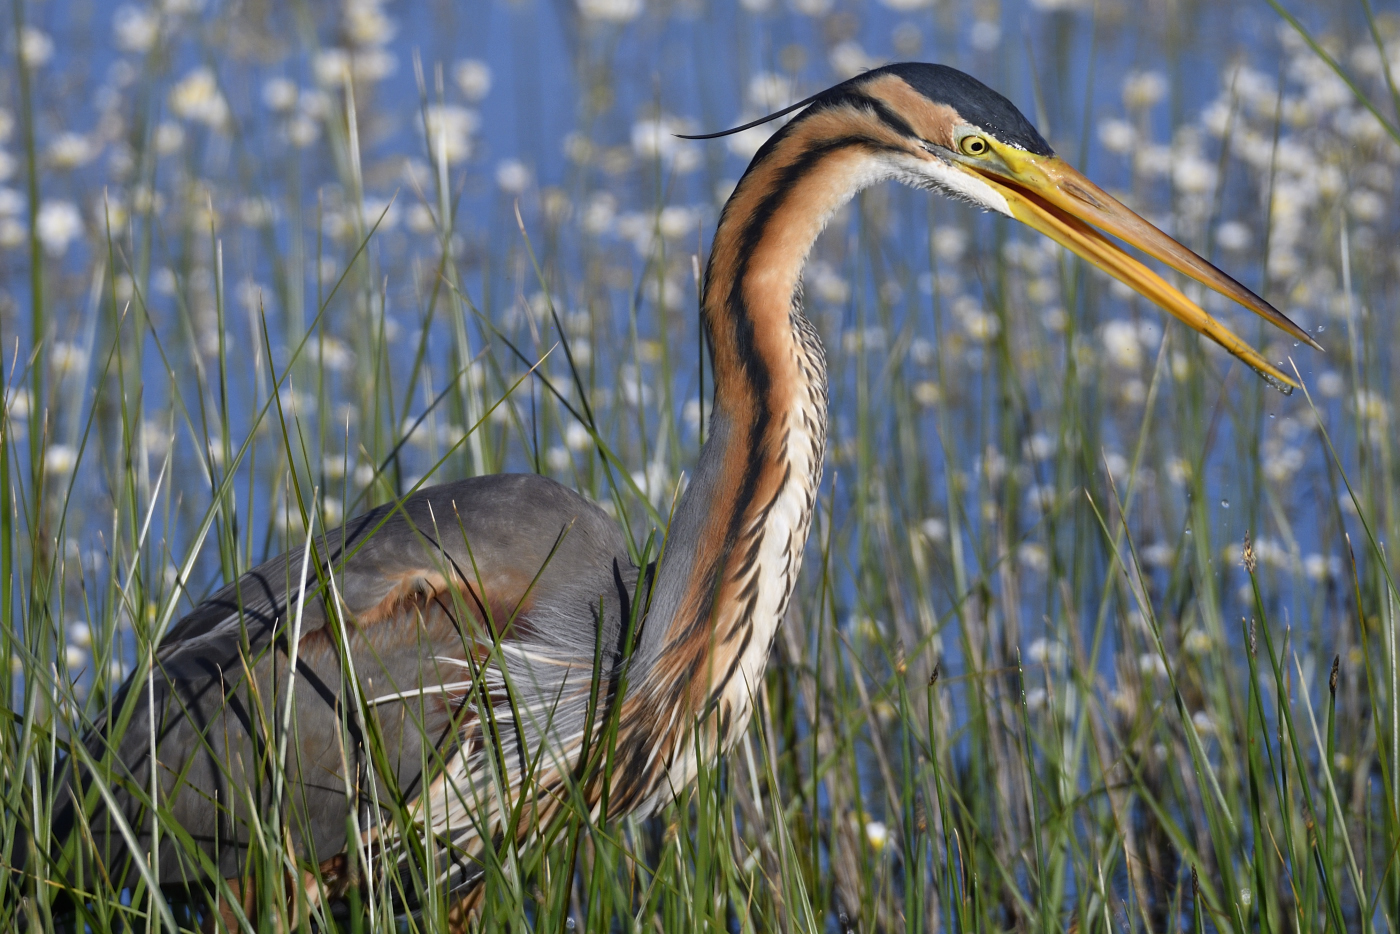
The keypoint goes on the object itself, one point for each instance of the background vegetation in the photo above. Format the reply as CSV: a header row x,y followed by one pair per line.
x,y
1095,629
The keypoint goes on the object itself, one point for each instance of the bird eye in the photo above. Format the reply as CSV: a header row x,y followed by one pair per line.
x,y
974,146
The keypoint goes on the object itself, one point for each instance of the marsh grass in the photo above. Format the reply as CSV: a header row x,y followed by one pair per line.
x,y
1070,650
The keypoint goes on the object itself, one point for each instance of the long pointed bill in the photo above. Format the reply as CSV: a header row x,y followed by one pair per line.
x,y
1045,193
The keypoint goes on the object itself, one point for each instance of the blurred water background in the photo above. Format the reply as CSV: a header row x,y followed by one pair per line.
x,y
442,194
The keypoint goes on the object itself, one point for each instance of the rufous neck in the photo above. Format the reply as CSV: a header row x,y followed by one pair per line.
x,y
770,383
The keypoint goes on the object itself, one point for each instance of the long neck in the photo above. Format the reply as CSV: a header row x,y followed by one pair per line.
x,y
736,540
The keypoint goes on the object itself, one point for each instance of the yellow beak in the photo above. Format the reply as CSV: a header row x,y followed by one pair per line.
x,y
1055,199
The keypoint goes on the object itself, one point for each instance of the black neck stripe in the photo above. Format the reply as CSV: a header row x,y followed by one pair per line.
x,y
751,365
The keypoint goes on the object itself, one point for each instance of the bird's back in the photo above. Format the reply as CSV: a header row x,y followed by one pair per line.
x,y
489,593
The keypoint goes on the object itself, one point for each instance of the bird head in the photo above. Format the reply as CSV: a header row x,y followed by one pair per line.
x,y
938,128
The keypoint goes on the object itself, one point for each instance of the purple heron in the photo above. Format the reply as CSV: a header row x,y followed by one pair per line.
x,y
459,654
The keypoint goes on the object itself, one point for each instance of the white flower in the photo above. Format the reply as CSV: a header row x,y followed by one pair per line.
x,y
169,137
367,24
1283,465
74,657
654,139
877,835
1121,340
1039,447
635,391
1045,652
59,224
979,325
599,213
279,94
1360,126
1150,663
558,458
449,128
156,437
329,67
1194,175
373,64
949,243
1205,726
654,482
332,354
611,11
197,97
79,634
35,47
135,29
992,464
1197,642
985,35
1330,384
257,212
579,148
18,403
934,529
1142,89
1033,557
1216,118
1179,470
61,458
676,222
1233,235
363,475
332,511
71,150
473,77
512,176
746,143
65,358
858,340
769,91
314,102
1371,406
1366,206
848,59
1116,465
577,437
1158,555
1117,135
827,285
1154,161
375,207
302,131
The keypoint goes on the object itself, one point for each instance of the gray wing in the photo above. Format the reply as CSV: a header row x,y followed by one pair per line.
x,y
489,593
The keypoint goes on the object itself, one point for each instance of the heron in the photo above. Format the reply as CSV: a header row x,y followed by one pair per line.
x,y
456,657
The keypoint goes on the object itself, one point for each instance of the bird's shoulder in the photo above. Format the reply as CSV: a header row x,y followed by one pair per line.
x,y
504,543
